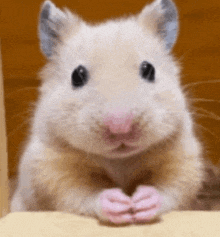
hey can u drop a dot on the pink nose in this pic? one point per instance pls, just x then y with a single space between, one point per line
119 121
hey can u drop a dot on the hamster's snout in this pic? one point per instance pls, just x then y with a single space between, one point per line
119 125
119 121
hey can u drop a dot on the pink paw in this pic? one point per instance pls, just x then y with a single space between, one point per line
116 206
146 203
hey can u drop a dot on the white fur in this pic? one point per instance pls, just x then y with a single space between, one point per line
112 52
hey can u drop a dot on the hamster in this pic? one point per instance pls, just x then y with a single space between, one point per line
112 136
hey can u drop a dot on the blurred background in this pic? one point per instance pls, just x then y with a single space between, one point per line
198 49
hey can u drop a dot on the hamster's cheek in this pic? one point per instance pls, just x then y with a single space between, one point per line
158 124
86 130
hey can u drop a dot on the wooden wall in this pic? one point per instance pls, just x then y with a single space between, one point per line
198 48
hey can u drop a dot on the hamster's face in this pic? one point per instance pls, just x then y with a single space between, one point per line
113 72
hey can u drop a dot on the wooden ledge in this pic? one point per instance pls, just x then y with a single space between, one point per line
178 224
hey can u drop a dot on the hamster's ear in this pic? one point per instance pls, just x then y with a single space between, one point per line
162 17
53 25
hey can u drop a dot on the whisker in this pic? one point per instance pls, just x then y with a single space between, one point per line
207 130
203 100
200 83
209 113
203 115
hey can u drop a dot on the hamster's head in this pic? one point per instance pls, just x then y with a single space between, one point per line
111 89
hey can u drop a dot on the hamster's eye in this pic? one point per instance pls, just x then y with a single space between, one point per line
147 71
79 76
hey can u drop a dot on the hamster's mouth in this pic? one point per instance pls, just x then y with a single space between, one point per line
124 149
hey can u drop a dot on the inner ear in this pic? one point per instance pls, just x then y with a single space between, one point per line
55 25
51 21
161 17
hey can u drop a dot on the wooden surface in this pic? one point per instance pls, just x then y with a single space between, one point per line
3 152
198 48
174 224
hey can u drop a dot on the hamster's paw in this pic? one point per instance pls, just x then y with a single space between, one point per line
146 203
116 206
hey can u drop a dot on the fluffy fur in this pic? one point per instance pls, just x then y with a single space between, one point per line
67 162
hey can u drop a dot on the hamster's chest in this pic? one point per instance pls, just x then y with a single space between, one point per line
127 175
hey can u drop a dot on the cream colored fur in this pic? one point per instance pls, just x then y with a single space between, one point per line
67 163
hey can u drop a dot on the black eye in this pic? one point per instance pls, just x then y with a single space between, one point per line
79 76
147 71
